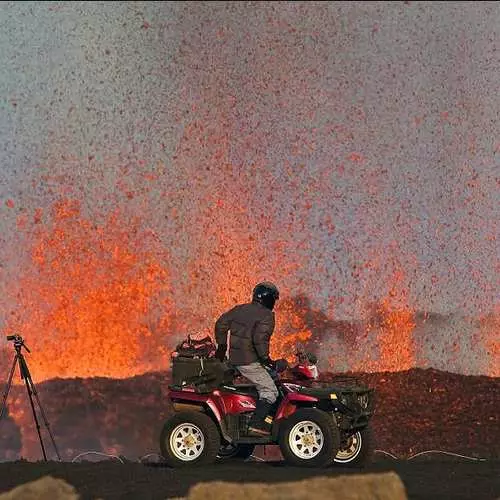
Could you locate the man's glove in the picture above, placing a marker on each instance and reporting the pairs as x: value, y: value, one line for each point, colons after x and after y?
x: 312, y: 358
x: 280, y: 365
x: 268, y: 363
x: 220, y: 354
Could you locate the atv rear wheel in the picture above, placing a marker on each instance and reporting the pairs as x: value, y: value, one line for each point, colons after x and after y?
x: 238, y: 451
x: 189, y: 439
x: 309, y: 438
x: 356, y: 451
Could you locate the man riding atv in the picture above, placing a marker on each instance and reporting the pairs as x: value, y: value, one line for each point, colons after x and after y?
x: 315, y: 423
x: 250, y: 328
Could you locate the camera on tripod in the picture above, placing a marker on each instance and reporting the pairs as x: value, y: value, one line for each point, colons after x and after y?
x: 15, y: 338
x: 31, y: 389
x: 18, y: 341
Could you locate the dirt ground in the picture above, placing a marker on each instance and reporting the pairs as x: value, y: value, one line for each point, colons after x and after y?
x: 415, y: 411
x: 424, y: 479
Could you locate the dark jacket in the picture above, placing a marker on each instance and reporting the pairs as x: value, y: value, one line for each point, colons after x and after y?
x: 251, y: 327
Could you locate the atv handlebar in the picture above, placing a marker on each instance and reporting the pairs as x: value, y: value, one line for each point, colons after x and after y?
x: 306, y: 357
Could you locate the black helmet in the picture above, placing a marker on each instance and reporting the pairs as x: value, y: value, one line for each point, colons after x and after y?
x: 266, y: 293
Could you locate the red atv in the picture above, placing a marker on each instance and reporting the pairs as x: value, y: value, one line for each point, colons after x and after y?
x: 315, y: 423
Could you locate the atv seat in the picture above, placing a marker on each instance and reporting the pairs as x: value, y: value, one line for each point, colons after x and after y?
x: 247, y: 389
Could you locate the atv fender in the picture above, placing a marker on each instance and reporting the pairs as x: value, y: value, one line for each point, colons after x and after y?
x: 288, y: 406
x: 200, y: 402
x: 292, y: 401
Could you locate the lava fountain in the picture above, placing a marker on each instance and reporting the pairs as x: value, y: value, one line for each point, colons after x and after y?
x: 95, y: 300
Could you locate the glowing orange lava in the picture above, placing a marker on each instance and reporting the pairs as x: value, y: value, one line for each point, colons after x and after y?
x: 394, y: 322
x: 397, y: 350
x: 95, y: 302
x: 291, y: 331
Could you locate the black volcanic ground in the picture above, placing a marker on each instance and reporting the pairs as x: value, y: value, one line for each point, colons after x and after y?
x: 416, y: 410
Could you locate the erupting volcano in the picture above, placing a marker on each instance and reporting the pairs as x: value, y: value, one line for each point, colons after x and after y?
x: 159, y: 160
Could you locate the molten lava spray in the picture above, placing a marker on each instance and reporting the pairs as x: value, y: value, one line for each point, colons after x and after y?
x: 94, y: 300
x: 160, y: 159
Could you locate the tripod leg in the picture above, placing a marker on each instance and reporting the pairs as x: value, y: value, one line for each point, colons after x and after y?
x: 7, y: 389
x: 30, y: 396
x: 30, y: 385
x: 44, y: 418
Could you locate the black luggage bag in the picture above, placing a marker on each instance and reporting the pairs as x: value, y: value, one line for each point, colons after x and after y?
x: 194, y: 364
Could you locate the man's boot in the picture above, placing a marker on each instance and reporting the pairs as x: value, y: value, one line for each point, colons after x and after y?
x: 261, y: 421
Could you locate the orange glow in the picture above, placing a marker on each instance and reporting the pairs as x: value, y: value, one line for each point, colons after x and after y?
x: 95, y: 299
x: 291, y: 330
x: 489, y: 333
x: 397, y: 351
x: 394, y: 322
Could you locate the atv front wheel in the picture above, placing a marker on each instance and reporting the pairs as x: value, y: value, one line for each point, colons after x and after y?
x: 309, y: 438
x: 356, y: 450
x: 238, y: 451
x: 189, y: 439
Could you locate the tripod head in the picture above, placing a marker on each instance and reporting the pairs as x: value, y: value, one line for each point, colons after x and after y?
x: 18, y: 342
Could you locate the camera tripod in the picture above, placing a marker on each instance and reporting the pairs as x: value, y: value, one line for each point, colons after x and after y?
x: 30, y: 387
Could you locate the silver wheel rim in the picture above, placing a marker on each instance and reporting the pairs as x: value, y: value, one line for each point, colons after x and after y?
x: 187, y: 442
x: 306, y: 440
x: 352, y: 450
